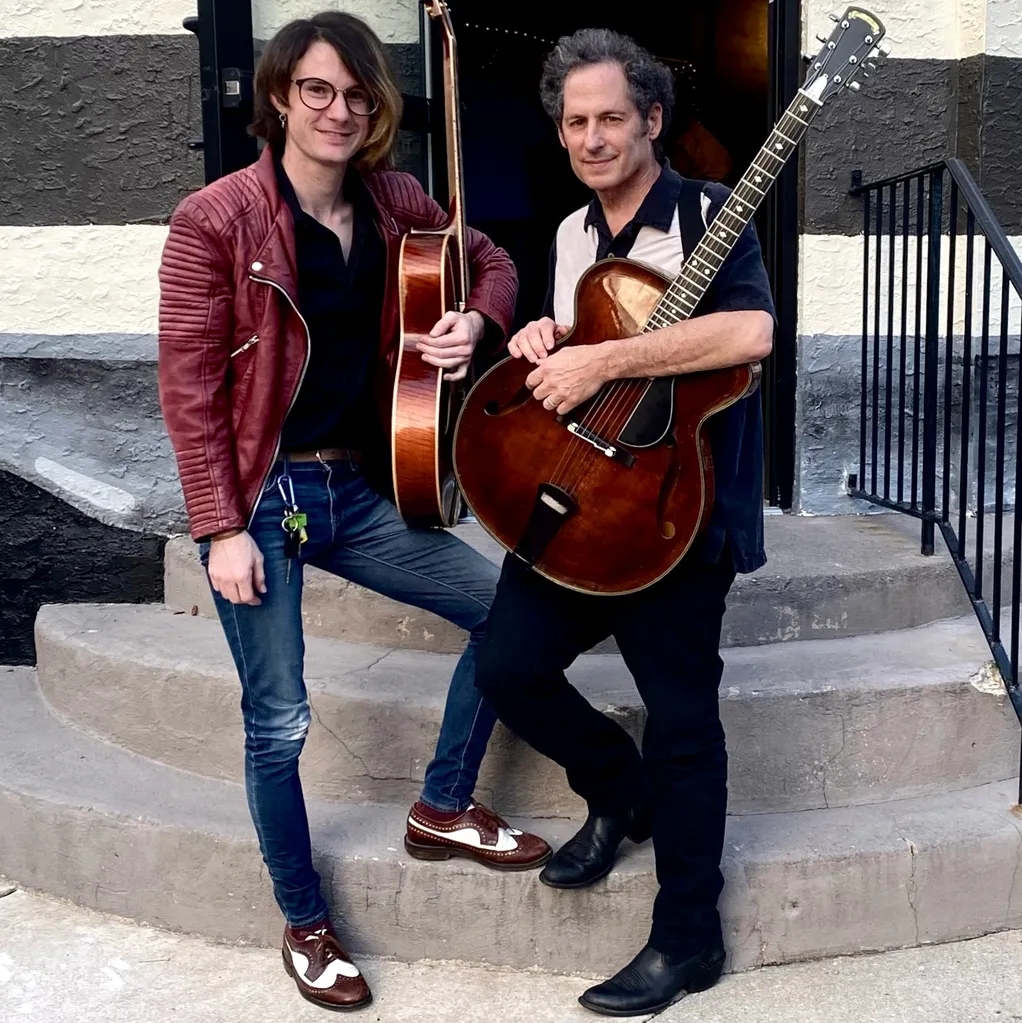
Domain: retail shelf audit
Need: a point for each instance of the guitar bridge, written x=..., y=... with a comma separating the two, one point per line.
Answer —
x=625, y=458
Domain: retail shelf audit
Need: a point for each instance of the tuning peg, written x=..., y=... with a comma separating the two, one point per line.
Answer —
x=854, y=86
x=884, y=50
x=835, y=17
x=870, y=65
x=820, y=39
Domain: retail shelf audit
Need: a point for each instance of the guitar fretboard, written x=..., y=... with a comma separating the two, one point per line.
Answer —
x=701, y=265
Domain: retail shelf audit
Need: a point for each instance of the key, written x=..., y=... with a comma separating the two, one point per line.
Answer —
x=294, y=523
x=292, y=543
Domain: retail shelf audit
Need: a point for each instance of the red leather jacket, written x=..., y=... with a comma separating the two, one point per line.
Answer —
x=233, y=345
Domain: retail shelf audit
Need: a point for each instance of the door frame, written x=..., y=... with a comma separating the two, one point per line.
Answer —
x=226, y=68
x=779, y=220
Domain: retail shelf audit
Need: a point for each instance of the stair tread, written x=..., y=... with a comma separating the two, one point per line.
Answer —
x=156, y=636
x=112, y=830
x=43, y=755
x=826, y=578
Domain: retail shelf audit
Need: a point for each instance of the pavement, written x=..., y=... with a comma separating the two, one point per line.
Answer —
x=63, y=964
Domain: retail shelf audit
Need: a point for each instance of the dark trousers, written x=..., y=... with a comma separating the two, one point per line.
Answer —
x=669, y=637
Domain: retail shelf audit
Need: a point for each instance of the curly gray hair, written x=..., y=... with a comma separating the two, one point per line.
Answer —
x=649, y=81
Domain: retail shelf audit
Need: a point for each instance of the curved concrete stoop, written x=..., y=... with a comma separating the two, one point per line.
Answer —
x=810, y=724
x=827, y=578
x=118, y=832
x=871, y=766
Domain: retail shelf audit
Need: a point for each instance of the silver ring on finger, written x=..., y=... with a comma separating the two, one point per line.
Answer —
x=550, y=403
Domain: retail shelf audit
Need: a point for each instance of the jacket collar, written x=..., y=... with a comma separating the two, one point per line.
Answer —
x=280, y=240
x=282, y=221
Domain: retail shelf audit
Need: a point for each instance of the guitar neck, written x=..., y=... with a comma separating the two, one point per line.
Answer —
x=455, y=166
x=701, y=265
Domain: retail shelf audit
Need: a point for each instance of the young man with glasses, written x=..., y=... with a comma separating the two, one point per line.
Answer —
x=275, y=366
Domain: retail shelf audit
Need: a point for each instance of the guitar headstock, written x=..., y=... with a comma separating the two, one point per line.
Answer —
x=438, y=9
x=846, y=55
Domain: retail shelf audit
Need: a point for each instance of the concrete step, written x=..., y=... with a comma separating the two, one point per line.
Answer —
x=827, y=578
x=809, y=724
x=108, y=829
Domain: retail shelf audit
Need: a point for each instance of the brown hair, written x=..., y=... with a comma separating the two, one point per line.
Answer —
x=363, y=55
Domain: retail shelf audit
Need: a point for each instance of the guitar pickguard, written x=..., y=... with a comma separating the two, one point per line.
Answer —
x=653, y=416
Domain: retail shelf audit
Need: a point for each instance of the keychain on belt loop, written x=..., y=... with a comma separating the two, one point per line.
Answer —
x=293, y=523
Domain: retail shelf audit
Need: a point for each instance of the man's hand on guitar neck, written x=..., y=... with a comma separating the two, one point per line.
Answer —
x=452, y=342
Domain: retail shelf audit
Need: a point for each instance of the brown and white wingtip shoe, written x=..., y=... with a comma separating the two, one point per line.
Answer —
x=478, y=834
x=322, y=970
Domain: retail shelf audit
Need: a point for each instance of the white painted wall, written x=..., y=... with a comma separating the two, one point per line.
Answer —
x=93, y=17
x=1004, y=28
x=830, y=275
x=937, y=29
x=394, y=21
x=79, y=280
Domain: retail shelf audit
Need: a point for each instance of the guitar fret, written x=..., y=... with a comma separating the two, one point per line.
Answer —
x=684, y=299
x=735, y=216
x=701, y=253
x=777, y=131
x=678, y=309
x=686, y=293
x=665, y=300
x=709, y=242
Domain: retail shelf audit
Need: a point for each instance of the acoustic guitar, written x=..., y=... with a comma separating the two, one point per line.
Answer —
x=608, y=498
x=433, y=279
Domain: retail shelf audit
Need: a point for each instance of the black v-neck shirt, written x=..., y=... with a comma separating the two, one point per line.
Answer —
x=340, y=301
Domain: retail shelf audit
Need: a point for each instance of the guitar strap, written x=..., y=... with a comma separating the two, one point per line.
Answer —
x=690, y=214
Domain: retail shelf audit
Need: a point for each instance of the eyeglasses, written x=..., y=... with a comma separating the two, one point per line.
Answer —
x=318, y=95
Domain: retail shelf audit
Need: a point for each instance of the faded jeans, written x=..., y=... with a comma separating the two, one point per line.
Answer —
x=357, y=534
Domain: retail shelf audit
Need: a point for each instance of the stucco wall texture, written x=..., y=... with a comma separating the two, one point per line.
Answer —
x=103, y=98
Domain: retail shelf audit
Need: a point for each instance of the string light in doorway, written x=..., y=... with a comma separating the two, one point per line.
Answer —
x=510, y=32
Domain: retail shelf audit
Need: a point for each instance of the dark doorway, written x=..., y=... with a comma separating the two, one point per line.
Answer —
x=734, y=63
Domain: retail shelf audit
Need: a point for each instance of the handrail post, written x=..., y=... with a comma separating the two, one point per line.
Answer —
x=929, y=479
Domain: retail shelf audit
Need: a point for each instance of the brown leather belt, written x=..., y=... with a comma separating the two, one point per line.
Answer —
x=326, y=455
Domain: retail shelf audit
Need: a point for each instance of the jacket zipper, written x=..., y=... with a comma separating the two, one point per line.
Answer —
x=246, y=346
x=294, y=397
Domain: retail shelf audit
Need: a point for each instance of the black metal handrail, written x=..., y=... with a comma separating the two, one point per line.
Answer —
x=916, y=436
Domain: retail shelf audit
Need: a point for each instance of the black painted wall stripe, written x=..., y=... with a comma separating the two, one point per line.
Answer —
x=911, y=113
x=96, y=128
x=53, y=553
